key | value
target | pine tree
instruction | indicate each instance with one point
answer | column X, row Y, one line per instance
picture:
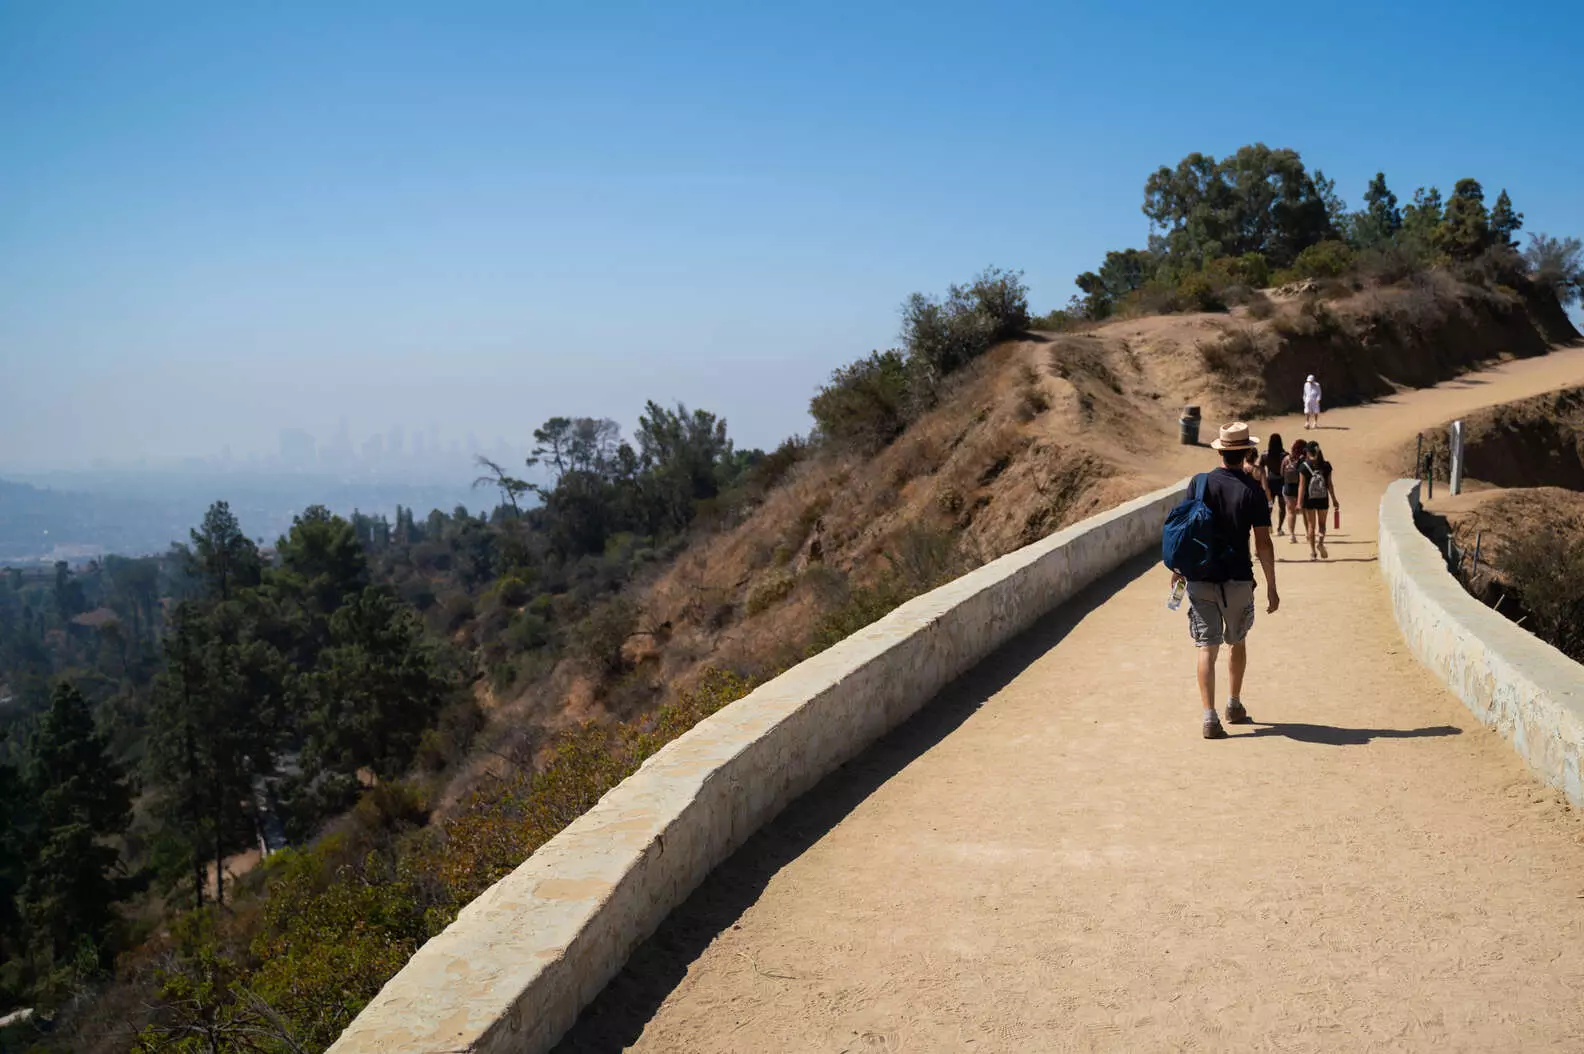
column 1504, row 222
column 375, row 690
column 223, row 556
column 13, row 837
column 1381, row 216
column 81, row 797
column 1465, row 230
column 214, row 714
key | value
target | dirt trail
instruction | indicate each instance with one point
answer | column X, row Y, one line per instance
column 1050, row 858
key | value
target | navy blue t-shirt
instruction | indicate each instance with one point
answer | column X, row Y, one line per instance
column 1238, row 504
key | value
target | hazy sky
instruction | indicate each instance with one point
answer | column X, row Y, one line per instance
column 221, row 220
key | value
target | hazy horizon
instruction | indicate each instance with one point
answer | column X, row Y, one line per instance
column 226, row 223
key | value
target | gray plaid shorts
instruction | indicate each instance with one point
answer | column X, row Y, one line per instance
column 1220, row 612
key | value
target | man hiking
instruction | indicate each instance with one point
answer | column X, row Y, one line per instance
column 1217, row 568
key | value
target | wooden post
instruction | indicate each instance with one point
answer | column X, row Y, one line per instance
column 1419, row 455
column 1475, row 569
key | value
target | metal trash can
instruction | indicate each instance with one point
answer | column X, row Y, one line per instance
column 1188, row 425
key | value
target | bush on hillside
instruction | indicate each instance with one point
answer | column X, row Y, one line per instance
column 1199, row 292
column 1546, row 566
column 599, row 638
column 866, row 403
column 1250, row 269
column 1557, row 264
column 1327, row 259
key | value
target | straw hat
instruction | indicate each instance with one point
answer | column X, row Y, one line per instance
column 1235, row 436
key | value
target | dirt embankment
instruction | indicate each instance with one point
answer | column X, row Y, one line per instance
column 1536, row 442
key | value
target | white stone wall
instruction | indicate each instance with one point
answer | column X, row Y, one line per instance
column 1510, row 679
column 519, row 963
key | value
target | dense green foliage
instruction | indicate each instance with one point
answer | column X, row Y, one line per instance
column 869, row 402
column 1221, row 229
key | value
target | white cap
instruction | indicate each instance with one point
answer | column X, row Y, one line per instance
column 1311, row 379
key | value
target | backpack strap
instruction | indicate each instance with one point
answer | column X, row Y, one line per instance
column 1199, row 483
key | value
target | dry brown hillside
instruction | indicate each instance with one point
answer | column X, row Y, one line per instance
column 1033, row 436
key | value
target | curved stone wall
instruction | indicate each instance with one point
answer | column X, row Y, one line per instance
column 519, row 963
column 1512, row 681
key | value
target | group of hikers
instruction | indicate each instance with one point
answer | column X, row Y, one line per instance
column 1206, row 544
column 1296, row 481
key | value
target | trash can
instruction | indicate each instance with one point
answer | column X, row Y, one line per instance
column 1188, row 424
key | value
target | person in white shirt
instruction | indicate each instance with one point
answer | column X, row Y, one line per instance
column 1311, row 401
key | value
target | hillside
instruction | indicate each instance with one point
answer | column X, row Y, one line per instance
column 1036, row 434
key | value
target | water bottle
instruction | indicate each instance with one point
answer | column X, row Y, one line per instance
column 1178, row 591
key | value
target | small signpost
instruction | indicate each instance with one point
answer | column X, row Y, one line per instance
column 1457, row 457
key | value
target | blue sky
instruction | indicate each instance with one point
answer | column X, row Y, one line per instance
column 221, row 220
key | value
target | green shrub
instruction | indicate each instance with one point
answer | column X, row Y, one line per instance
column 1327, row 259
column 1198, row 292
column 1250, row 270
column 1054, row 322
column 865, row 405
column 527, row 632
column 770, row 592
column 512, row 591
column 599, row 638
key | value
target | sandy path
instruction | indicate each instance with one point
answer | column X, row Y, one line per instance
column 1050, row 858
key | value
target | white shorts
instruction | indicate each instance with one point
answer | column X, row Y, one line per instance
column 1312, row 406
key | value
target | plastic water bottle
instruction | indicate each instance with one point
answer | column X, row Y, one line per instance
column 1178, row 591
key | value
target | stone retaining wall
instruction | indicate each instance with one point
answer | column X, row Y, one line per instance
column 519, row 963
column 1512, row 680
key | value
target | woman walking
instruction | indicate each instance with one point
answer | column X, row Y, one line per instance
column 1319, row 494
column 1311, row 401
column 1291, row 477
column 1275, row 454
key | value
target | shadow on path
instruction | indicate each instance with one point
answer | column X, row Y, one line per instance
column 1333, row 736
column 616, row 1018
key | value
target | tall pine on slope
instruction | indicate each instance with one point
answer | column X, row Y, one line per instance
column 81, row 797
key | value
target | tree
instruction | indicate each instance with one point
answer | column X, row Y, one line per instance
column 81, row 797
column 1001, row 297
column 1335, row 207
column 1257, row 200
column 322, row 563
column 218, row 711
column 1422, row 219
column 495, row 476
column 1097, row 302
column 14, row 809
column 376, row 688
column 682, row 452
column 1123, row 272
column 1557, row 264
column 69, row 597
column 865, row 403
column 1504, row 222
column 1380, row 219
column 1465, row 231
column 223, row 556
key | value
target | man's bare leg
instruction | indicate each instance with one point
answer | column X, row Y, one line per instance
column 1207, row 660
column 1237, row 663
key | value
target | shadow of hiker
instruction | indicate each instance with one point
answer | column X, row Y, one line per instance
column 1335, row 736
column 617, row 1016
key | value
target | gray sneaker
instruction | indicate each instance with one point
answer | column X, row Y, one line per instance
column 1212, row 727
column 1237, row 715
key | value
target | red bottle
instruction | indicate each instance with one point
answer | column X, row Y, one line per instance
column 1336, row 519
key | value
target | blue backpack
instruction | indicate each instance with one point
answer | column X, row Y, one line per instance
column 1188, row 541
